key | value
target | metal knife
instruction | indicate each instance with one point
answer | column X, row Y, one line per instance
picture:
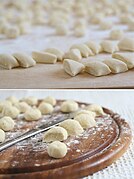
column 35, row 131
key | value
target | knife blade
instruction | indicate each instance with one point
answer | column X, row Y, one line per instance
column 35, row 131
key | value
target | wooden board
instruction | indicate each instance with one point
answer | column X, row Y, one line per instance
column 94, row 150
column 44, row 76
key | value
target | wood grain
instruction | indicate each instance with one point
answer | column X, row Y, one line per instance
column 98, row 148
column 44, row 76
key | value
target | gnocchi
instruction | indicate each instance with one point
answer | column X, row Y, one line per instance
column 51, row 100
column 109, row 46
column 59, row 53
column 116, row 34
column 126, row 44
column 32, row 114
column 7, row 123
column 69, row 106
column 94, row 46
column 2, row 135
column 95, row 108
column 45, row 108
column 10, row 111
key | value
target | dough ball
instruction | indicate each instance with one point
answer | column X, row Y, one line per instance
column 85, row 120
column 32, row 114
column 2, row 135
column 69, row 106
column 22, row 106
column 50, row 100
column 46, row 108
column 7, row 123
column 55, row 134
column 10, row 111
column 12, row 99
column 57, row 149
column 73, row 127
column 96, row 108
column 92, row 114
column 3, row 104
column 31, row 100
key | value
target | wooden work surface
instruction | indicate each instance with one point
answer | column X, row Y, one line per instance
column 53, row 76
column 90, row 152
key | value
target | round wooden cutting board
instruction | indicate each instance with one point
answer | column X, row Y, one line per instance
column 95, row 149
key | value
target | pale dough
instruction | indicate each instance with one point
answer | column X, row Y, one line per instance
column 32, row 114
column 109, row 46
column 69, row 106
column 95, row 108
column 46, row 108
column 2, row 135
column 7, row 123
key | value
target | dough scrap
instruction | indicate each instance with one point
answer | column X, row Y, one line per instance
column 57, row 149
column 24, row 60
column 72, row 67
column 7, row 123
column 32, row 114
column 116, row 66
column 69, row 106
column 95, row 108
column 55, row 134
column 73, row 127
column 2, row 135
column 73, row 54
column 109, row 46
column 31, row 100
column 8, row 61
column 127, row 58
column 3, row 104
column 126, row 44
column 85, row 120
column 12, row 32
column 97, row 68
column 22, row 106
column 90, row 113
column 46, row 108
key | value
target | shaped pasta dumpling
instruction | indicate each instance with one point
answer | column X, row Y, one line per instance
column 7, row 123
column 45, row 108
column 56, row 52
column 97, row 68
column 8, row 61
column 10, row 111
column 33, row 114
column 126, row 44
column 109, row 46
column 95, row 108
column 12, row 99
column 69, row 106
column 55, row 134
column 51, row 100
column 90, row 113
column 94, row 46
column 31, row 100
column 57, row 149
column 72, row 67
column 2, row 135
column 73, row 54
column 105, row 25
column 22, row 106
column 116, row 66
column 85, row 120
column 127, row 58
column 73, row 127
column 116, row 34
column 3, row 104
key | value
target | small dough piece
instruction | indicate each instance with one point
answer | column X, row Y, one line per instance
column 69, row 106
column 127, row 58
column 72, row 67
column 55, row 134
column 73, row 127
column 32, row 114
column 24, row 60
column 31, row 100
column 2, row 135
column 12, row 99
column 109, row 46
column 44, row 57
column 126, row 44
column 7, row 123
column 51, row 100
column 116, row 34
column 62, row 30
column 46, row 108
column 22, row 106
column 85, row 51
column 57, row 149
column 105, row 25
column 59, row 53
column 95, row 108
column 8, row 61
column 10, row 111
column 116, row 66
column 3, row 104
column 85, row 120
column 12, row 32
column 73, row 54
column 94, row 46
column 97, row 68
column 80, row 31
column 90, row 113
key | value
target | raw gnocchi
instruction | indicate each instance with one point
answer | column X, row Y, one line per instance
column 32, row 114
column 109, row 46
column 7, row 123
column 69, row 106
column 31, row 100
column 12, row 99
column 51, row 100
column 95, row 108
column 126, row 44
column 94, row 46
column 116, row 34
column 59, row 53
column 72, row 67
column 10, row 111
column 12, row 32
column 45, row 108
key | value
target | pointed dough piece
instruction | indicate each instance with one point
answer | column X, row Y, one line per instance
column 116, row 66
column 116, row 34
column 44, row 57
column 24, row 60
column 8, row 61
column 85, row 51
column 75, row 54
column 127, row 58
column 97, row 68
column 109, row 46
column 72, row 67
column 57, row 52
column 94, row 46
column 126, row 43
